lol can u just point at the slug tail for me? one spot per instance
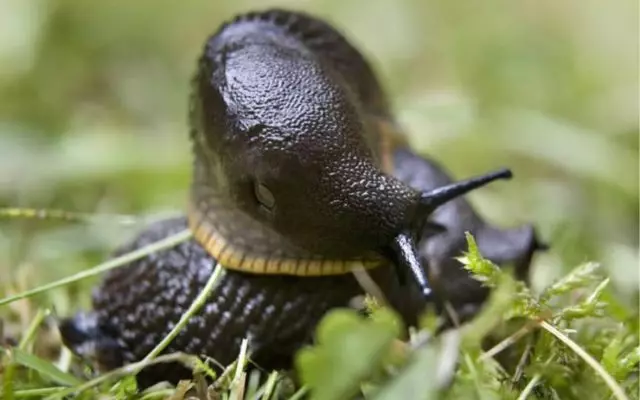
(84, 336)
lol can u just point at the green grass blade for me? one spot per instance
(299, 395)
(42, 366)
(613, 385)
(29, 335)
(116, 262)
(270, 385)
(33, 329)
(37, 393)
(242, 360)
(126, 370)
(197, 303)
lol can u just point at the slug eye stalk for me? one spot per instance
(432, 199)
(403, 246)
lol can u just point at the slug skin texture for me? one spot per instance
(300, 175)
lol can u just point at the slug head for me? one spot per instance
(280, 138)
(282, 148)
(404, 245)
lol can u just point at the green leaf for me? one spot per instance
(350, 349)
(44, 367)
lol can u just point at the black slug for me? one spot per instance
(300, 175)
(513, 247)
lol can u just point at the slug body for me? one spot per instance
(137, 305)
(299, 177)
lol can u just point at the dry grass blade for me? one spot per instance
(37, 213)
(116, 262)
(613, 385)
(237, 391)
(448, 358)
(368, 284)
(530, 386)
(508, 341)
(522, 362)
(535, 380)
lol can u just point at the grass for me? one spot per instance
(330, 372)
(104, 267)
(547, 88)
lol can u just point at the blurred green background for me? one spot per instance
(93, 104)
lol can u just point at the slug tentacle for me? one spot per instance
(404, 247)
(434, 198)
(85, 336)
(438, 252)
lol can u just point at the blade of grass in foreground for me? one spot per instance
(42, 366)
(267, 390)
(133, 369)
(128, 369)
(165, 243)
(20, 356)
(242, 360)
(197, 303)
(36, 393)
(613, 385)
(526, 392)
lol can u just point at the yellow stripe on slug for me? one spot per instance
(234, 258)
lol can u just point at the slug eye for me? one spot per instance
(264, 196)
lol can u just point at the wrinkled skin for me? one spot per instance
(136, 306)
